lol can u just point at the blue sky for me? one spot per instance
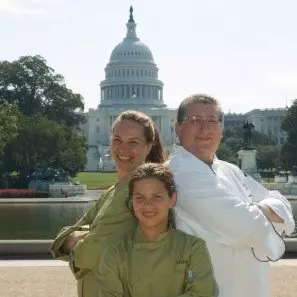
(243, 52)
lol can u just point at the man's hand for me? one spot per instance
(270, 214)
(72, 240)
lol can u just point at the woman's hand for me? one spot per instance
(72, 240)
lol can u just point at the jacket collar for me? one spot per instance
(185, 156)
(141, 238)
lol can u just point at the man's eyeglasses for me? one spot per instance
(200, 121)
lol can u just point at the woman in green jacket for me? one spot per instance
(157, 260)
(135, 140)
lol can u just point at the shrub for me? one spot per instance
(17, 193)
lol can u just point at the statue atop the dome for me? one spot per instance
(131, 19)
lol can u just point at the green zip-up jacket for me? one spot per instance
(108, 220)
(177, 265)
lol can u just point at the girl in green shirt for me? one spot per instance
(156, 260)
(134, 141)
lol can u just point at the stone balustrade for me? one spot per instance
(66, 190)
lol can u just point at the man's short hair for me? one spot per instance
(197, 98)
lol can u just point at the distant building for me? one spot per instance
(233, 120)
(268, 121)
(131, 82)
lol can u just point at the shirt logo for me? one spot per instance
(189, 274)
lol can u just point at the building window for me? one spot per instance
(157, 121)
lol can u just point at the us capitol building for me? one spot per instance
(132, 82)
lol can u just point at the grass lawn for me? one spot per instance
(96, 180)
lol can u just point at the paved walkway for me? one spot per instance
(50, 278)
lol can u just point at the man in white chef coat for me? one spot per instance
(241, 222)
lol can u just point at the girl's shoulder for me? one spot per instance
(186, 239)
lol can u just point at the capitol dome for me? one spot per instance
(131, 47)
(131, 76)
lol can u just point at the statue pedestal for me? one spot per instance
(280, 179)
(292, 179)
(247, 163)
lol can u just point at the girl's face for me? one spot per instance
(151, 203)
(129, 147)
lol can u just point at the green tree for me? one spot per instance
(9, 117)
(289, 149)
(44, 142)
(35, 88)
(233, 140)
(268, 156)
(225, 153)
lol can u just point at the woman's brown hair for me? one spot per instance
(162, 174)
(150, 132)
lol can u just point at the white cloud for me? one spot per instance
(19, 8)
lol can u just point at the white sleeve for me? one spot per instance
(219, 215)
(277, 202)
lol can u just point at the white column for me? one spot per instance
(125, 91)
(137, 91)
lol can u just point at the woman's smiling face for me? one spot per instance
(129, 147)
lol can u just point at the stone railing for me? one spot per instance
(285, 188)
(66, 190)
(285, 185)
